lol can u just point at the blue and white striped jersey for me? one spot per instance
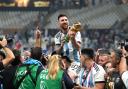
(68, 49)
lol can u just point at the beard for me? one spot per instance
(64, 26)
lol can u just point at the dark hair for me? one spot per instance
(36, 53)
(118, 53)
(2, 54)
(104, 51)
(67, 59)
(44, 60)
(53, 53)
(61, 15)
(17, 54)
(88, 52)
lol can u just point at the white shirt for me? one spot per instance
(89, 78)
(68, 49)
(125, 78)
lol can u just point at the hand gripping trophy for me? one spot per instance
(75, 27)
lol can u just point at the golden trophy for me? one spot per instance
(75, 27)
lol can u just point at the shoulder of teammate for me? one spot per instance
(57, 38)
(78, 37)
(58, 34)
(78, 33)
(100, 73)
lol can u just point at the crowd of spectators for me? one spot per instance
(43, 41)
(58, 4)
(108, 38)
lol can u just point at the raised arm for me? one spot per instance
(37, 37)
(9, 54)
(75, 38)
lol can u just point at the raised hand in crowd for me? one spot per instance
(123, 67)
(9, 54)
(38, 37)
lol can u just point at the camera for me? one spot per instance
(124, 44)
(8, 38)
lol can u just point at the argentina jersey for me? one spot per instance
(68, 49)
(89, 78)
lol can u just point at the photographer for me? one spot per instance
(114, 80)
(9, 55)
(123, 67)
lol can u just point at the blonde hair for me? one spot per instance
(53, 66)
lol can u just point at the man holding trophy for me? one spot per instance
(68, 43)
